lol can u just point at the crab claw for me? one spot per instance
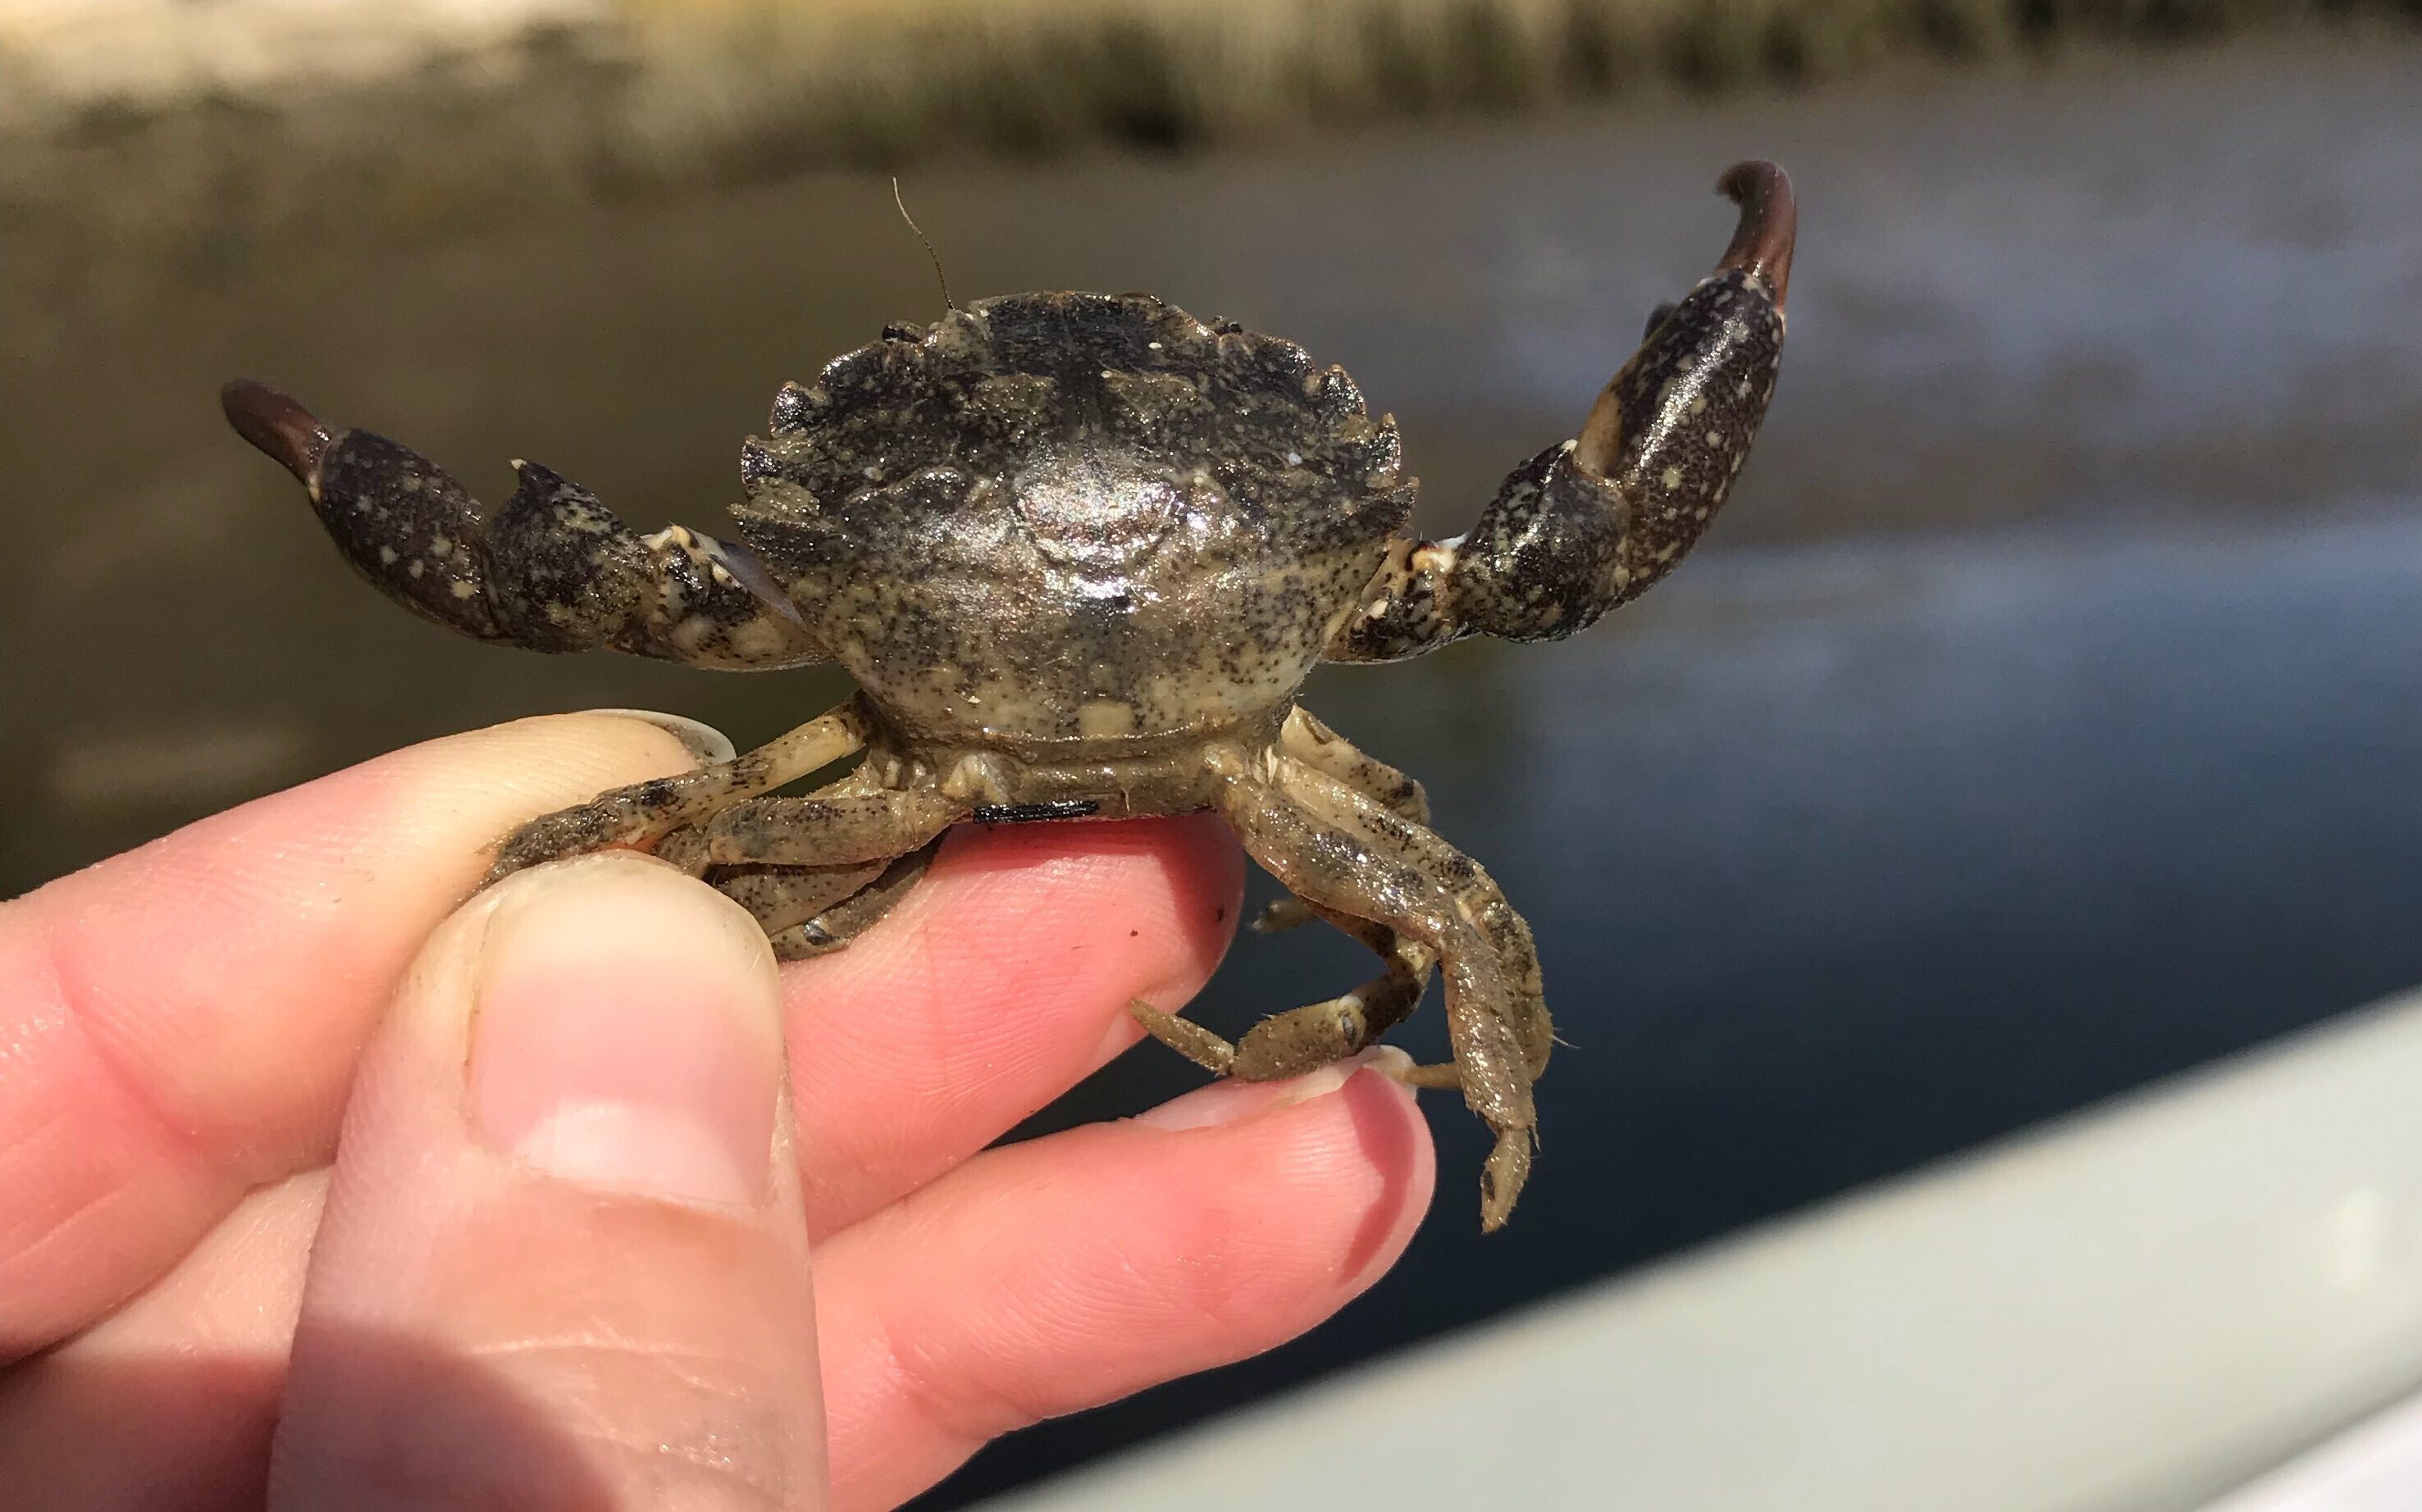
(276, 422)
(1769, 222)
(552, 568)
(1595, 521)
(1708, 341)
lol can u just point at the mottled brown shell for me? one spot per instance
(1065, 516)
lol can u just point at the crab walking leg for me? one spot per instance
(1306, 739)
(1362, 1015)
(646, 813)
(837, 926)
(807, 910)
(688, 849)
(553, 569)
(830, 831)
(1343, 851)
(781, 897)
(1310, 741)
(1317, 1034)
(1306, 1038)
(1593, 522)
(1506, 931)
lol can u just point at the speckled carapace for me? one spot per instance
(1080, 552)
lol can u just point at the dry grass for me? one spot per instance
(741, 85)
(769, 80)
(645, 96)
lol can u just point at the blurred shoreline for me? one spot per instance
(371, 119)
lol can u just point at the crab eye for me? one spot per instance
(1658, 316)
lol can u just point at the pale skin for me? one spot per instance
(563, 1254)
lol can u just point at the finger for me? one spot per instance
(562, 1262)
(976, 1028)
(993, 987)
(182, 1021)
(1050, 1276)
(173, 1399)
(170, 1400)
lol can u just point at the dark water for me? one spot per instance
(2043, 717)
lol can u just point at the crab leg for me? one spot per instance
(1317, 1034)
(782, 898)
(1347, 853)
(1305, 738)
(1305, 1038)
(839, 861)
(646, 813)
(553, 570)
(1350, 800)
(837, 926)
(1594, 521)
(829, 832)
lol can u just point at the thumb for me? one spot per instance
(563, 1262)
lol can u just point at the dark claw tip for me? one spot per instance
(1769, 222)
(275, 421)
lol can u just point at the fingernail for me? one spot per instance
(706, 744)
(628, 1034)
(1233, 1102)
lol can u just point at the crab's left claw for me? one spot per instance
(552, 568)
(276, 422)
(1593, 522)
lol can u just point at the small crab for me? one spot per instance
(1080, 553)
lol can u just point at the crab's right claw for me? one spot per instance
(1674, 425)
(1769, 224)
(1656, 457)
(1594, 521)
(1719, 331)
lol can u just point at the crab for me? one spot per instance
(1079, 552)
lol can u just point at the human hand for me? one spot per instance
(559, 1257)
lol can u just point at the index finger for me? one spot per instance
(179, 1025)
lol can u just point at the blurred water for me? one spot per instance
(2043, 716)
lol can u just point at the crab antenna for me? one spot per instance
(276, 422)
(1769, 222)
(939, 277)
